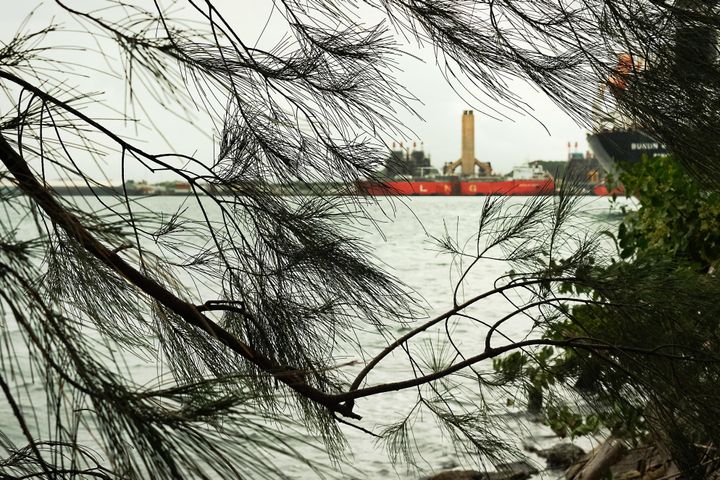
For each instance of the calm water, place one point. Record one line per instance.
(412, 255)
(408, 251)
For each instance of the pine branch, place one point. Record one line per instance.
(188, 312)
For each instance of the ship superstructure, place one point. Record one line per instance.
(408, 161)
(409, 172)
(615, 137)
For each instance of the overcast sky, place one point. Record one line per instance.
(504, 143)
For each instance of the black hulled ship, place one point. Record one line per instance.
(629, 145)
(616, 138)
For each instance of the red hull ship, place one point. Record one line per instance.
(525, 187)
(412, 174)
(471, 187)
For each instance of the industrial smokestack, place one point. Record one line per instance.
(467, 158)
(467, 155)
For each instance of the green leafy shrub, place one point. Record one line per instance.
(677, 218)
(658, 296)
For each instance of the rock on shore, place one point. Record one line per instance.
(559, 456)
(614, 458)
(506, 471)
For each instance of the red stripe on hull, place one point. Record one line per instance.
(602, 191)
(508, 187)
(468, 188)
(407, 188)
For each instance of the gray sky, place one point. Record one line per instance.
(505, 143)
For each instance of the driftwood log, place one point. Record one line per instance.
(599, 462)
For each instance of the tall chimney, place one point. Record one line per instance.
(467, 157)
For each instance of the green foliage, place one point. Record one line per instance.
(534, 370)
(677, 217)
(654, 311)
(620, 420)
(565, 422)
